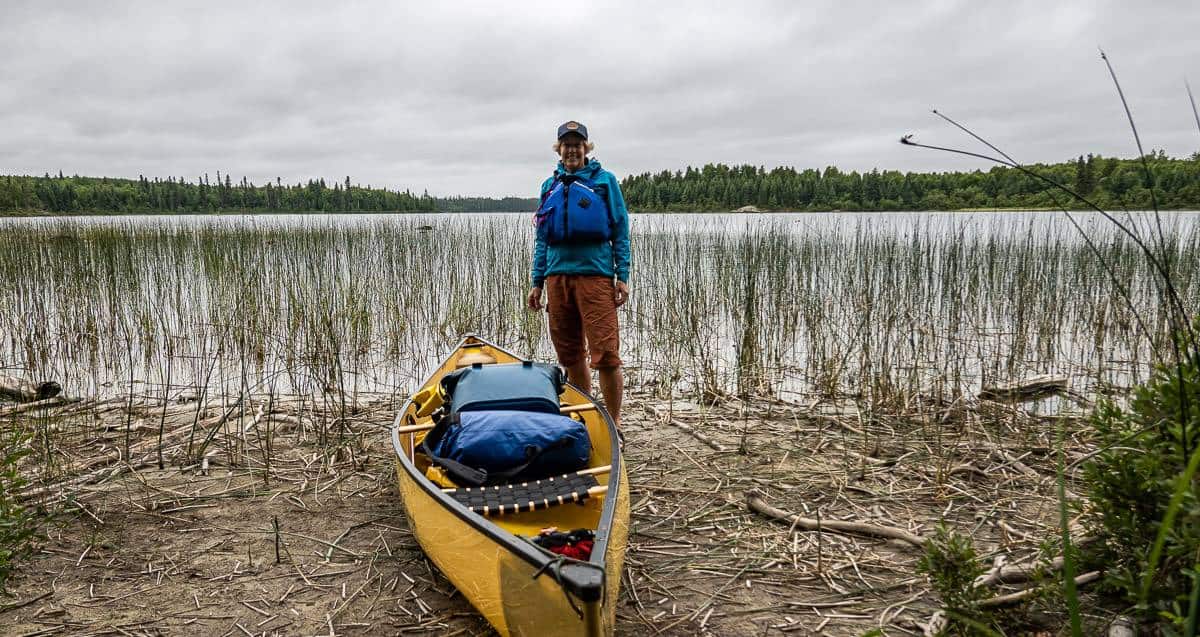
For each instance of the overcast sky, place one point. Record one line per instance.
(464, 98)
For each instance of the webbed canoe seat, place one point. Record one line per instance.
(528, 496)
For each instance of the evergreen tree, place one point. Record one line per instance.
(721, 187)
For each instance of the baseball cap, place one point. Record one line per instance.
(572, 127)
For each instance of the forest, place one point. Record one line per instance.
(486, 204)
(1110, 183)
(57, 195)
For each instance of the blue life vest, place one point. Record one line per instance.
(575, 210)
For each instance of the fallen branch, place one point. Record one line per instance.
(1014, 573)
(16, 605)
(37, 404)
(1013, 598)
(1035, 388)
(24, 391)
(691, 430)
(938, 622)
(755, 503)
(1023, 572)
(1021, 391)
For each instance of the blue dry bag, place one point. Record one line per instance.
(494, 447)
(525, 386)
(575, 210)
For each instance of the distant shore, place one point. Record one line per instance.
(11, 214)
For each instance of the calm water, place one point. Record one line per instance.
(1041, 224)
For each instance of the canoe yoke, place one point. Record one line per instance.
(528, 496)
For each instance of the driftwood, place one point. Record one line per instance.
(938, 622)
(1021, 595)
(663, 417)
(1023, 572)
(1014, 573)
(26, 392)
(755, 503)
(1026, 390)
(37, 404)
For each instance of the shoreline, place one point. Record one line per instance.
(292, 507)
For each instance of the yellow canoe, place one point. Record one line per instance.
(519, 587)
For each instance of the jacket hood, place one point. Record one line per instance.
(589, 171)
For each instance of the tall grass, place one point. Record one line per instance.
(19, 525)
(884, 308)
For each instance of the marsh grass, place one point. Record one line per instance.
(19, 524)
(896, 314)
(888, 314)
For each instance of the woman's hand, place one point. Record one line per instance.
(534, 300)
(621, 294)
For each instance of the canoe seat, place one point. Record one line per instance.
(527, 496)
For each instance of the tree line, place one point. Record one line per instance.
(487, 204)
(104, 195)
(1109, 182)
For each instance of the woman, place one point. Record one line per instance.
(581, 260)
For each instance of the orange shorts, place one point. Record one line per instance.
(583, 319)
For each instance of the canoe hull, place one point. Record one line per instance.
(487, 558)
(499, 584)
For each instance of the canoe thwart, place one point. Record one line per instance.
(565, 409)
(528, 496)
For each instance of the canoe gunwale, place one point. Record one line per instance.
(580, 579)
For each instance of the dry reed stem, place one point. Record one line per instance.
(698, 560)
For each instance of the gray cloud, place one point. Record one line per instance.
(462, 98)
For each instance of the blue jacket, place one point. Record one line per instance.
(601, 259)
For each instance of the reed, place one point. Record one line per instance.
(893, 312)
(782, 305)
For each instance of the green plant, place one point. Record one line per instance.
(1143, 467)
(952, 566)
(1142, 483)
(18, 525)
